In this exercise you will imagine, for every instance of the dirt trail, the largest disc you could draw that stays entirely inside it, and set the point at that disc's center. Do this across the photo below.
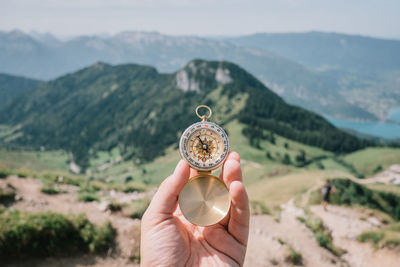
(390, 176)
(270, 236)
(264, 248)
(346, 223)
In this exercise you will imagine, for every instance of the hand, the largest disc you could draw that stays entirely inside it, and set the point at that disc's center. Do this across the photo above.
(168, 239)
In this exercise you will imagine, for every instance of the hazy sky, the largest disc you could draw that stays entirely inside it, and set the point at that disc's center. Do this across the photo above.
(202, 17)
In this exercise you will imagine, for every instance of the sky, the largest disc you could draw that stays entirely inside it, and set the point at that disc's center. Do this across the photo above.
(66, 18)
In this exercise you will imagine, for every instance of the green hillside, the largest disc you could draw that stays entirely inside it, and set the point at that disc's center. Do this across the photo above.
(371, 160)
(142, 112)
(11, 86)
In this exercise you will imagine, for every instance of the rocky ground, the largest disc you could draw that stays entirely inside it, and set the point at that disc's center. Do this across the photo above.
(270, 241)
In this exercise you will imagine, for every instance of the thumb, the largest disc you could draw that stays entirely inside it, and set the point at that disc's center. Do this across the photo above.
(166, 198)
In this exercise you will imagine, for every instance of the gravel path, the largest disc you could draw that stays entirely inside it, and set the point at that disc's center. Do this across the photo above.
(346, 223)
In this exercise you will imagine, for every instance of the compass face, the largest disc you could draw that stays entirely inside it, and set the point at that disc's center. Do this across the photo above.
(204, 145)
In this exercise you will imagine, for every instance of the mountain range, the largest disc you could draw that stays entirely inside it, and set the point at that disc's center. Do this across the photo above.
(302, 68)
(366, 70)
(142, 112)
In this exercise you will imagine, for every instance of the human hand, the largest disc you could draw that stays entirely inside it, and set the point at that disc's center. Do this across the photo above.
(168, 239)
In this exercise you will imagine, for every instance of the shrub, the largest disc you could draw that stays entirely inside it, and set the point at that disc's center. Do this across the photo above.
(128, 179)
(394, 242)
(4, 174)
(7, 194)
(133, 187)
(88, 197)
(301, 157)
(24, 234)
(302, 220)
(258, 207)
(321, 234)
(90, 187)
(136, 209)
(350, 193)
(371, 236)
(294, 257)
(320, 165)
(286, 145)
(378, 169)
(388, 236)
(323, 239)
(50, 189)
(114, 206)
(286, 159)
(72, 180)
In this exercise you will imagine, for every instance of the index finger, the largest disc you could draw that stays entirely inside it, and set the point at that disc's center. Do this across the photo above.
(231, 170)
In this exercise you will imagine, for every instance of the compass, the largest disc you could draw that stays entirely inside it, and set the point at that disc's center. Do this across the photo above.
(205, 199)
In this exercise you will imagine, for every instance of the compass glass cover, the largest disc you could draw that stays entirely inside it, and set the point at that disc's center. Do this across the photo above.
(204, 145)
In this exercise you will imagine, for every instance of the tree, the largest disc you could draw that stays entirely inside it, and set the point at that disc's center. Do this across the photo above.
(286, 145)
(301, 158)
(378, 168)
(271, 138)
(286, 159)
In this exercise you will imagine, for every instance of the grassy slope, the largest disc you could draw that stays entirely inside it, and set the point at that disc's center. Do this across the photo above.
(279, 190)
(256, 166)
(34, 160)
(267, 180)
(366, 160)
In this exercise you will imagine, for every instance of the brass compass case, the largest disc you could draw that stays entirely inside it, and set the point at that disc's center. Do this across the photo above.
(205, 199)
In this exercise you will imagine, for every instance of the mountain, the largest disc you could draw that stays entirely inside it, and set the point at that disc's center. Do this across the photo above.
(142, 112)
(366, 70)
(44, 57)
(320, 50)
(11, 86)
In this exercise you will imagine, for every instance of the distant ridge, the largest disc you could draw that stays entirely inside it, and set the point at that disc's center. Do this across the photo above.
(43, 56)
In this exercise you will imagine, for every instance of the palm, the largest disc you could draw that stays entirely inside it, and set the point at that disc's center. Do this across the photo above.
(169, 239)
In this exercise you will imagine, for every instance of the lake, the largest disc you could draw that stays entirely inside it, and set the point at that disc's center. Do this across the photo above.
(381, 129)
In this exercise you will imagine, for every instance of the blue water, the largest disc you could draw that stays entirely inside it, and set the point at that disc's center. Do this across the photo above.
(394, 114)
(381, 129)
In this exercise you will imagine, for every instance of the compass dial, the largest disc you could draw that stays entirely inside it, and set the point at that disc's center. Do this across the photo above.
(204, 145)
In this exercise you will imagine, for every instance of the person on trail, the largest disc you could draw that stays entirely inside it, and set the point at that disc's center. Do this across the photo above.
(168, 239)
(326, 191)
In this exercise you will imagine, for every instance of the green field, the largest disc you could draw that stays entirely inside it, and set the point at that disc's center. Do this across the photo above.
(367, 160)
(269, 179)
(34, 160)
(279, 190)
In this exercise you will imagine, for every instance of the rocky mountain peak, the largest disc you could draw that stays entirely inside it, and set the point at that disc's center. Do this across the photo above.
(199, 73)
